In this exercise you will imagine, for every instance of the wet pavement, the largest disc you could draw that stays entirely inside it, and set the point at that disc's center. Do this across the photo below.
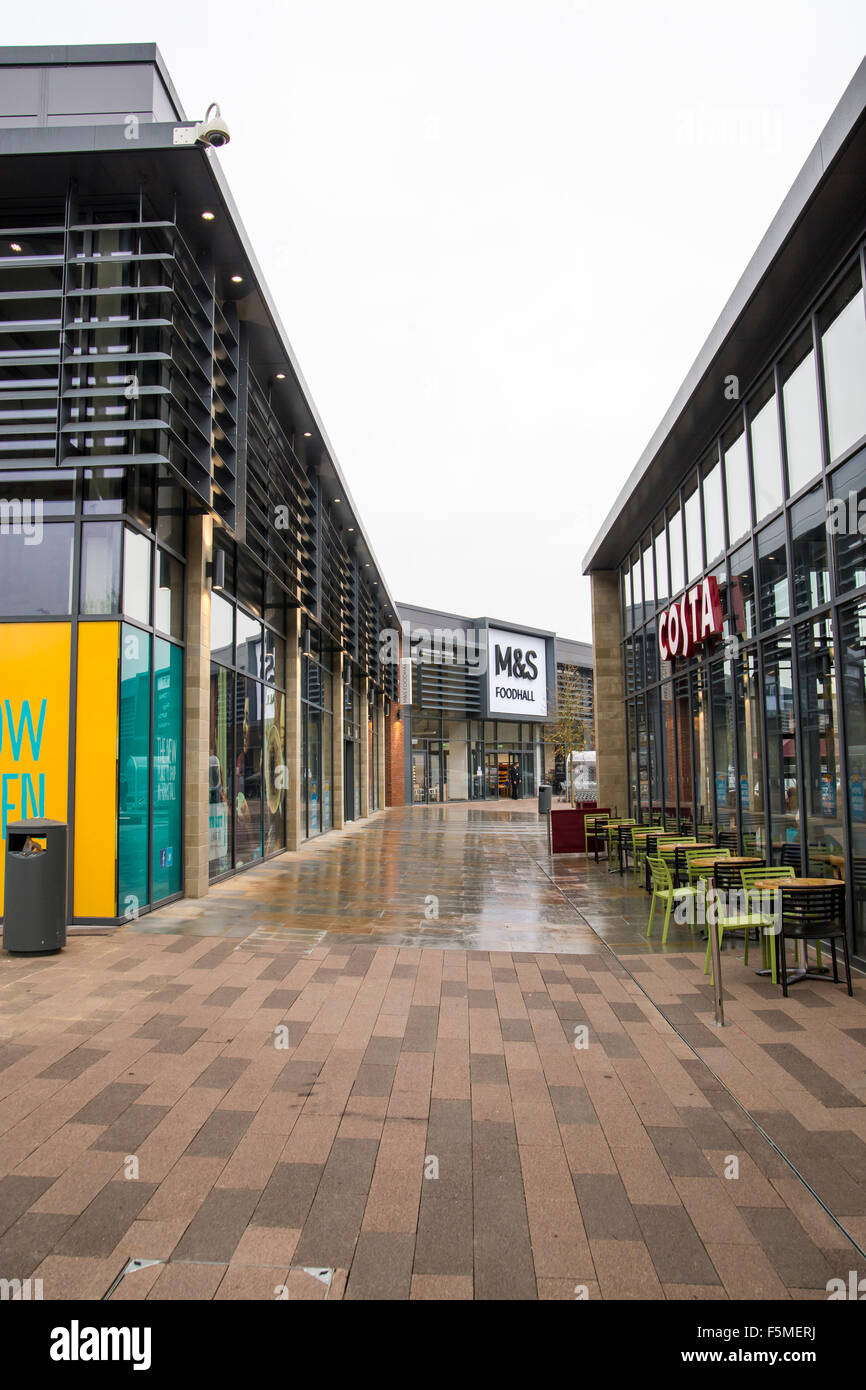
(468, 877)
(274, 1093)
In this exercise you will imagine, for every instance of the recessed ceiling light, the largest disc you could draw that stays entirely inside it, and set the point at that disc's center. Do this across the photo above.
(336, 500)
(281, 376)
(308, 434)
(237, 279)
(208, 216)
(351, 528)
(16, 245)
(366, 564)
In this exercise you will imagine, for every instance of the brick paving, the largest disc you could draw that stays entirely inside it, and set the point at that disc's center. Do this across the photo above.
(338, 1115)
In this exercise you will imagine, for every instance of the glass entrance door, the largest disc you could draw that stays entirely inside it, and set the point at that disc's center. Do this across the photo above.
(420, 778)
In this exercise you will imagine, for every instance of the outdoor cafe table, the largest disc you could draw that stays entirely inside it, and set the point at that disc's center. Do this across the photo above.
(786, 885)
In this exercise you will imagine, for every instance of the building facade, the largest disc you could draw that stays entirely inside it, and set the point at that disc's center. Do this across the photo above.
(478, 702)
(729, 580)
(190, 610)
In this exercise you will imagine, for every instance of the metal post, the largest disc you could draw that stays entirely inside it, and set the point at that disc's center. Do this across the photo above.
(713, 928)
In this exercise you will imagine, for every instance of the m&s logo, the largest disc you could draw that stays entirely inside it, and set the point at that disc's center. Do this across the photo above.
(516, 663)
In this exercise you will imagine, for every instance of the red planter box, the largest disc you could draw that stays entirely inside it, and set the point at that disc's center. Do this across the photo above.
(568, 830)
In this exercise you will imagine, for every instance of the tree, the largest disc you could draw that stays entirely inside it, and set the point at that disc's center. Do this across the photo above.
(566, 731)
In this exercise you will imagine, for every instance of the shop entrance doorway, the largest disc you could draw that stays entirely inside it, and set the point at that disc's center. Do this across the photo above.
(429, 771)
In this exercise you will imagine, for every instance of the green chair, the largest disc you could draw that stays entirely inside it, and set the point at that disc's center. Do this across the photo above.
(742, 921)
(638, 848)
(768, 940)
(663, 889)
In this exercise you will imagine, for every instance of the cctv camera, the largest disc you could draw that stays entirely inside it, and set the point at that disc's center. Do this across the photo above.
(213, 130)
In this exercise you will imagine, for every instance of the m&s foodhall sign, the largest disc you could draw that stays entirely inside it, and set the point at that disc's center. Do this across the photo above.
(692, 621)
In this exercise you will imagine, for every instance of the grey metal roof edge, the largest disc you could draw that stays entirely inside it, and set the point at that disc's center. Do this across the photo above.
(482, 621)
(90, 54)
(846, 114)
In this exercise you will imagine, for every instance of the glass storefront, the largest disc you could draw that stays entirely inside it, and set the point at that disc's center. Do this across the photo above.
(759, 737)
(247, 781)
(460, 760)
(317, 753)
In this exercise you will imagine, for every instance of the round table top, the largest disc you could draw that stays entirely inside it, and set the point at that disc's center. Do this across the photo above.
(740, 859)
(798, 883)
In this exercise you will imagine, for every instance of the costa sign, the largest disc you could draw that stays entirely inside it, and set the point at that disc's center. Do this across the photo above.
(689, 623)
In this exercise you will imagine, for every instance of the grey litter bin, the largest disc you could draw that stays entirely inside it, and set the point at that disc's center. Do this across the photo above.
(545, 798)
(34, 920)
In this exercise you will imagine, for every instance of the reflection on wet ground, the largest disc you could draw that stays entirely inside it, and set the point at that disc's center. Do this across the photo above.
(470, 877)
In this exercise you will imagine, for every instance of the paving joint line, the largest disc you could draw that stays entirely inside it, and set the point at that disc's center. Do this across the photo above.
(749, 1116)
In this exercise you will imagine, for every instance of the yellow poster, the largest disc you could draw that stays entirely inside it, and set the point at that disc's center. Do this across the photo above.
(34, 724)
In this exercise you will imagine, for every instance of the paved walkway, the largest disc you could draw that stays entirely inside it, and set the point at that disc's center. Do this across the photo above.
(244, 1099)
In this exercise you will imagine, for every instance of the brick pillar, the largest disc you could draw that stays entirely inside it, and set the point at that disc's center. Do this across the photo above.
(611, 748)
(364, 748)
(339, 766)
(196, 782)
(379, 715)
(295, 823)
(395, 778)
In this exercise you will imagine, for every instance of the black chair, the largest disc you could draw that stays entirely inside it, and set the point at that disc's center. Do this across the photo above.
(814, 914)
(598, 832)
(792, 856)
(728, 840)
(728, 881)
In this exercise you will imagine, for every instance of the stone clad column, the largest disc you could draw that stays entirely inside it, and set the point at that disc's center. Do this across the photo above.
(364, 748)
(294, 783)
(610, 736)
(338, 778)
(196, 711)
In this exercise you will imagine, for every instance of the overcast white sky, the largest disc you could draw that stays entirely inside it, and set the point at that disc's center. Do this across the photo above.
(498, 232)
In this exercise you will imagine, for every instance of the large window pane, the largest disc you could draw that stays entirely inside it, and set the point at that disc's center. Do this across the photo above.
(675, 545)
(133, 771)
(221, 771)
(167, 765)
(275, 763)
(661, 553)
(684, 752)
(169, 595)
(713, 517)
(100, 567)
(137, 561)
(742, 598)
(800, 403)
(702, 746)
(843, 348)
(850, 538)
(749, 716)
(221, 629)
(853, 645)
(737, 486)
(781, 751)
(313, 770)
(248, 772)
(773, 575)
(694, 549)
(649, 588)
(721, 685)
(249, 641)
(819, 739)
(669, 740)
(811, 562)
(766, 451)
(36, 574)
